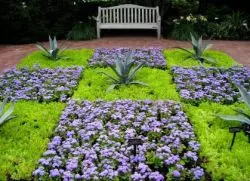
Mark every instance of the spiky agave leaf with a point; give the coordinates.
(6, 116)
(133, 72)
(244, 94)
(239, 118)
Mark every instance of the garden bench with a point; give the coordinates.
(128, 16)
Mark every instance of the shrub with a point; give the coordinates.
(82, 31)
(25, 138)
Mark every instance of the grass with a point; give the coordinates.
(215, 140)
(177, 57)
(76, 58)
(25, 138)
(160, 86)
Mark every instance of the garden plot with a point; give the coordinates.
(39, 84)
(211, 84)
(90, 143)
(153, 57)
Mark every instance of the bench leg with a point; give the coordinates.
(98, 31)
(159, 32)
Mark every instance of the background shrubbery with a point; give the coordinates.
(25, 21)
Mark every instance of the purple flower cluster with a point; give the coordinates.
(152, 56)
(39, 84)
(91, 143)
(212, 84)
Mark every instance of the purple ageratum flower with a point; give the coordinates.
(156, 176)
(176, 173)
(54, 173)
(197, 172)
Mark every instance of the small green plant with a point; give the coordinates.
(198, 50)
(54, 52)
(82, 31)
(124, 72)
(6, 116)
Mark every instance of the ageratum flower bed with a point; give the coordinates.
(212, 84)
(39, 84)
(91, 143)
(152, 56)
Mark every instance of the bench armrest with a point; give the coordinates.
(158, 19)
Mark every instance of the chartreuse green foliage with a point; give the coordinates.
(74, 58)
(160, 86)
(213, 134)
(176, 57)
(25, 138)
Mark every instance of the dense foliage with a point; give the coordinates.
(39, 84)
(25, 138)
(32, 20)
(74, 58)
(176, 57)
(215, 139)
(91, 143)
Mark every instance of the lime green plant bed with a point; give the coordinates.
(25, 138)
(160, 86)
(215, 139)
(175, 57)
(74, 58)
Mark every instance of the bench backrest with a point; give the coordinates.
(128, 13)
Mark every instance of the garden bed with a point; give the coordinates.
(91, 143)
(91, 138)
(212, 84)
(153, 57)
(39, 84)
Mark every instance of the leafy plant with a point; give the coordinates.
(82, 32)
(6, 116)
(242, 116)
(54, 52)
(198, 50)
(124, 71)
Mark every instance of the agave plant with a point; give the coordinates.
(242, 116)
(125, 72)
(54, 52)
(198, 50)
(5, 116)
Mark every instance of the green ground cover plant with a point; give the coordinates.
(213, 134)
(75, 58)
(24, 138)
(160, 86)
(175, 57)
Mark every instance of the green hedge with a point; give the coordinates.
(160, 86)
(213, 134)
(25, 138)
(75, 58)
(176, 57)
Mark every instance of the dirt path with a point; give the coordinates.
(10, 55)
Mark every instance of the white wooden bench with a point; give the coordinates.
(128, 16)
